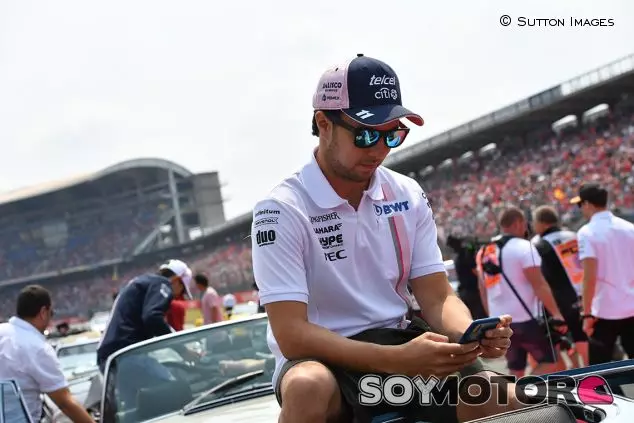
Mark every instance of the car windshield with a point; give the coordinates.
(161, 376)
(76, 359)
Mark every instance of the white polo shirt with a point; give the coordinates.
(517, 255)
(26, 357)
(610, 240)
(350, 267)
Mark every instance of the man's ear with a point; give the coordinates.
(323, 123)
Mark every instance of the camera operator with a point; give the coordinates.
(558, 249)
(465, 264)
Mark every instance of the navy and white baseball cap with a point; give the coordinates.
(367, 90)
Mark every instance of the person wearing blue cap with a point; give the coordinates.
(334, 249)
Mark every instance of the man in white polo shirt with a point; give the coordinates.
(334, 248)
(26, 357)
(606, 250)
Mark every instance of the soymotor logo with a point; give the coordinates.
(474, 390)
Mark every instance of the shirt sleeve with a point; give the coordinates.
(48, 371)
(426, 254)
(157, 301)
(585, 245)
(530, 256)
(278, 253)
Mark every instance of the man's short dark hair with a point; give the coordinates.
(201, 279)
(511, 215)
(31, 300)
(547, 215)
(315, 127)
(166, 273)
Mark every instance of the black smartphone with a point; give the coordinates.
(477, 328)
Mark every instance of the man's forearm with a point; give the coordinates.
(589, 287)
(545, 295)
(310, 341)
(448, 316)
(76, 413)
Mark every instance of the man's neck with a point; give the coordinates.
(346, 189)
(596, 211)
(35, 325)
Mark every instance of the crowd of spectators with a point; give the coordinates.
(466, 197)
(87, 240)
(228, 266)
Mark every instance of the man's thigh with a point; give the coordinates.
(416, 409)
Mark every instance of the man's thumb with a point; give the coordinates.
(435, 337)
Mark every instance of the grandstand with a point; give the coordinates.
(103, 217)
(536, 151)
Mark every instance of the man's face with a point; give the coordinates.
(44, 318)
(519, 228)
(348, 161)
(177, 286)
(539, 227)
(586, 209)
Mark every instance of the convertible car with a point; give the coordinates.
(222, 373)
(78, 359)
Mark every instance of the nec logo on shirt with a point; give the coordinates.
(391, 209)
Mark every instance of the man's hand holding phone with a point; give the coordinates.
(496, 341)
(432, 354)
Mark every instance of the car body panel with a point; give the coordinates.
(258, 410)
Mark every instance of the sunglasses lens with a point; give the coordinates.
(395, 138)
(367, 138)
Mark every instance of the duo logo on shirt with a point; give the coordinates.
(265, 237)
(389, 209)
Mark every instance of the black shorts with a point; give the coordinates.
(349, 381)
(575, 327)
(528, 338)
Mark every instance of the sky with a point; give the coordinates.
(227, 86)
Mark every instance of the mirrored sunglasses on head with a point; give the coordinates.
(366, 137)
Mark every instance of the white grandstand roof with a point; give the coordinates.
(58, 185)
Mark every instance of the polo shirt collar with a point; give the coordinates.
(322, 192)
(23, 324)
(601, 215)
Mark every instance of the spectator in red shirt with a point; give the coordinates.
(175, 315)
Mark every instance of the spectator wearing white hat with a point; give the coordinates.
(139, 311)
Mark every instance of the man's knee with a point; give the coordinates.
(309, 382)
(310, 390)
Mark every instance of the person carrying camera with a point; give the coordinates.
(558, 249)
(512, 283)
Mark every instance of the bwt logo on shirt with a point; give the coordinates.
(391, 209)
